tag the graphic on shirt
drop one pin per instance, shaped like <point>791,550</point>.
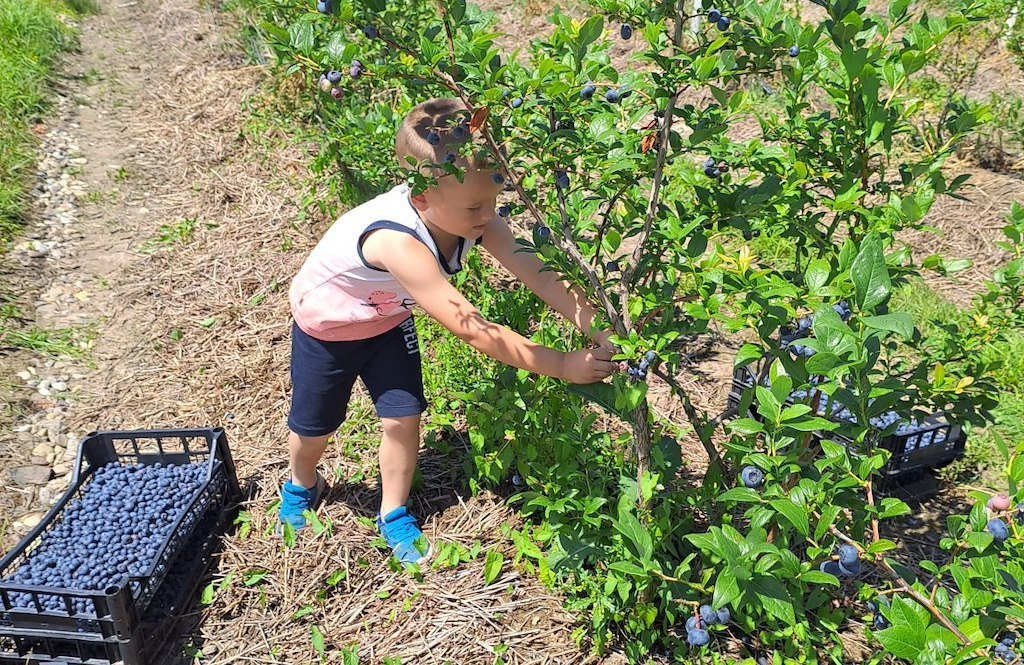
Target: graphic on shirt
<point>386,302</point>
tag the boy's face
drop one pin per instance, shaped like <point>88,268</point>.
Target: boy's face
<point>462,209</point>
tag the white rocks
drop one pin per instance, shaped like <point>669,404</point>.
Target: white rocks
<point>25,375</point>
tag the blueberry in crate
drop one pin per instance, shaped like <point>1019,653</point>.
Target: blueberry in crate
<point>79,582</point>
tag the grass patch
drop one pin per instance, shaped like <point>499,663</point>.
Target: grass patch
<point>981,460</point>
<point>32,36</point>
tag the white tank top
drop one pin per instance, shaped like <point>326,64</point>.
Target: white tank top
<point>337,296</point>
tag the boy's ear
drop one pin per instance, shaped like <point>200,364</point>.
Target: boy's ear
<point>420,202</point>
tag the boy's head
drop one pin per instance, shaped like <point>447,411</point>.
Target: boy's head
<point>428,134</point>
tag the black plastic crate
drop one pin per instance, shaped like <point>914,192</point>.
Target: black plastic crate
<point>932,444</point>
<point>129,622</point>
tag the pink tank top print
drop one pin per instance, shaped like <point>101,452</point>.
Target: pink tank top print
<point>336,296</point>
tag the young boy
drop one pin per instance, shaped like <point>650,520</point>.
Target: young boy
<point>352,304</point>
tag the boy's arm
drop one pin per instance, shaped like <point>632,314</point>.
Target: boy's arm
<point>415,268</point>
<point>560,295</point>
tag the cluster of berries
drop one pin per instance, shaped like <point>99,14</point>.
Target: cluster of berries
<point>329,80</point>
<point>696,626</point>
<point>1005,649</point>
<point>878,622</point>
<point>639,373</point>
<point>996,526</point>
<point>848,564</point>
<point>721,22</point>
<point>713,170</point>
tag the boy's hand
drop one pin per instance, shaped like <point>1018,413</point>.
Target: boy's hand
<point>588,365</point>
<point>603,337</point>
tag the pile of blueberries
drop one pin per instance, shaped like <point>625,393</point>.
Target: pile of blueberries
<point>113,532</point>
<point>696,626</point>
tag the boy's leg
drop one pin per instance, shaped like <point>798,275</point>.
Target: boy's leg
<point>399,448</point>
<point>304,452</point>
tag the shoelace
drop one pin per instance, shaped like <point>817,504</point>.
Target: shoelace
<point>401,530</point>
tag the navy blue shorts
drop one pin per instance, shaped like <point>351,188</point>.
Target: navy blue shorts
<point>323,374</point>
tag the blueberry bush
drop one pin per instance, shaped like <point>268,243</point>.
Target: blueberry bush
<point>650,185</point>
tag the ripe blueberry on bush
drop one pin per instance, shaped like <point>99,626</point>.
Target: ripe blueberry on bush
<point>433,138</point>
<point>752,477</point>
<point>998,529</point>
<point>851,570</point>
<point>517,102</point>
<point>370,31</point>
<point>999,502</point>
<point>459,132</point>
<point>626,31</point>
<point>724,615</point>
<point>497,178</point>
<point>544,232</point>
<point>714,15</point>
<point>848,555</point>
<point>561,179</point>
<point>587,92</point>
<point>324,6</point>
<point>698,637</point>
<point>708,615</point>
<point>794,51</point>
<point>450,158</point>
<point>334,76</point>
<point>504,211</point>
<point>723,23</point>
<point>612,266</point>
<point>693,623</point>
<point>830,567</point>
<point>612,96</point>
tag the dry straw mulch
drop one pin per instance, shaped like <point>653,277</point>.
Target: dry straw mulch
<point>194,162</point>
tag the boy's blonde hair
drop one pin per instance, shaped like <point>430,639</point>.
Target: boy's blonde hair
<point>441,116</point>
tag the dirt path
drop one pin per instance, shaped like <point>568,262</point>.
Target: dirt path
<point>173,239</point>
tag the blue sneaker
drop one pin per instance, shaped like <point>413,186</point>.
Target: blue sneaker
<point>295,499</point>
<point>401,533</point>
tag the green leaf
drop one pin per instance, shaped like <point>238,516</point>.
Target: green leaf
<point>316,638</point>
<point>301,37</point>
<point>591,30</point>
<point>304,611</point>
<point>629,526</point>
<point>492,566</point>
<point>773,597</point>
<point>906,637</point>
<point>816,275</point>
<point>818,577</point>
<point>901,641</point>
<point>739,494</point>
<point>254,578</point>
<point>207,596</point>
<point>726,589</point>
<point>794,514</point>
<point>870,275</point>
<point>602,394</point>
<point>629,568</point>
<point>902,324</point>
